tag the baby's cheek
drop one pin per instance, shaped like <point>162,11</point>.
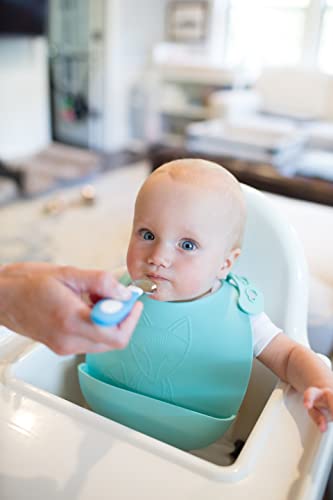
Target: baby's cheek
<point>132,262</point>
<point>191,286</point>
<point>130,267</point>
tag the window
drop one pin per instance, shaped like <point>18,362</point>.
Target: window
<point>265,32</point>
<point>257,33</point>
<point>325,59</point>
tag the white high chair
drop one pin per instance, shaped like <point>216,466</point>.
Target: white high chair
<point>53,447</point>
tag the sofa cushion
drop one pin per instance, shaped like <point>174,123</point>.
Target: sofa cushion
<point>296,92</point>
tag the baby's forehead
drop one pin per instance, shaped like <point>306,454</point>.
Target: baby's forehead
<point>201,180</point>
<point>189,203</point>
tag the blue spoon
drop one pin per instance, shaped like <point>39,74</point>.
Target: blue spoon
<point>111,312</point>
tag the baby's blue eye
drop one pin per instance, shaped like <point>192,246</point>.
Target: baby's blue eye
<point>188,245</point>
<point>147,235</point>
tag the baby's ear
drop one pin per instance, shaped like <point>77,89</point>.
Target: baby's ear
<point>228,263</point>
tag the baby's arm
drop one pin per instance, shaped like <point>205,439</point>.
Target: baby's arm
<point>306,372</point>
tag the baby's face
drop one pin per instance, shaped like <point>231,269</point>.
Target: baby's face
<point>179,239</point>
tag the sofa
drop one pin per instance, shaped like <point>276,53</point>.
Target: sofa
<point>299,95</point>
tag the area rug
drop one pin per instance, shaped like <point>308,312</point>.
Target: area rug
<point>58,166</point>
<point>55,166</point>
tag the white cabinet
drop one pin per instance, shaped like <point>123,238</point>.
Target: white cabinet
<point>24,97</point>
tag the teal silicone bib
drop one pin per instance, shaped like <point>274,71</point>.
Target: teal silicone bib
<point>185,372</point>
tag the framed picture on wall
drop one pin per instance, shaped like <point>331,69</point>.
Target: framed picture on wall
<point>187,21</point>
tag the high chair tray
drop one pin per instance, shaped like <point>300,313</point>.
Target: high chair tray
<point>54,448</point>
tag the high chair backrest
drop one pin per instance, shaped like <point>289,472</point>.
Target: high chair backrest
<point>273,258</point>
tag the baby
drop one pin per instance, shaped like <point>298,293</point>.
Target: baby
<point>187,234</point>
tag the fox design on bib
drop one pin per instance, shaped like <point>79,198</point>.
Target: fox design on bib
<point>155,359</point>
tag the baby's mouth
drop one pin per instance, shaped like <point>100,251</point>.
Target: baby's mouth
<point>156,277</point>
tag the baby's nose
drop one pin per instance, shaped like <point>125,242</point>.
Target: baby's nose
<point>160,256</point>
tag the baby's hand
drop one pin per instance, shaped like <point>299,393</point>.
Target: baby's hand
<point>319,403</point>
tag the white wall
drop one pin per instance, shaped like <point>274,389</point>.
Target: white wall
<point>24,97</point>
<point>131,28</point>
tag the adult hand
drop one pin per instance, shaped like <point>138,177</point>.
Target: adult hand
<point>46,303</point>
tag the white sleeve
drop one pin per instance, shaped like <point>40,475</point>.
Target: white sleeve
<point>263,331</point>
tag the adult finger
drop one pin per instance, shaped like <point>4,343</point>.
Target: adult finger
<point>95,282</point>
<point>127,326</point>
<point>116,337</point>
